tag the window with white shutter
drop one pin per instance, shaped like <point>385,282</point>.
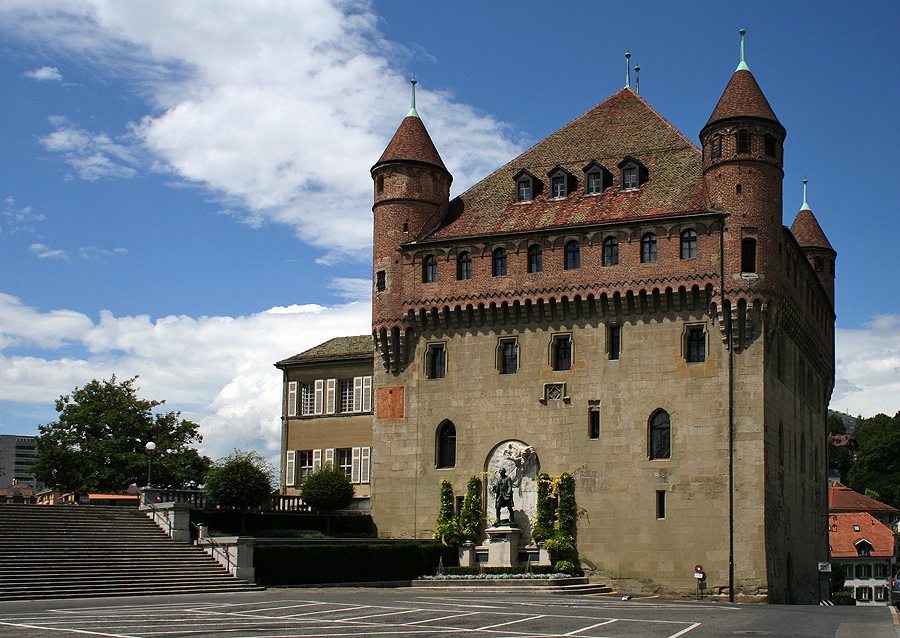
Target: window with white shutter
<point>365,459</point>
<point>354,468</point>
<point>292,399</point>
<point>317,460</point>
<point>289,470</point>
<point>357,394</point>
<point>320,395</point>
<point>330,395</point>
<point>367,394</point>
<point>329,457</point>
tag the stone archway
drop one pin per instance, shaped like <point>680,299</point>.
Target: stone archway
<point>522,465</point>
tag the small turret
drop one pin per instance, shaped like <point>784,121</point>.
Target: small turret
<point>815,245</point>
<point>742,174</point>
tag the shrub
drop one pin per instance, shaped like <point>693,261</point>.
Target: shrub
<point>543,525</point>
<point>470,516</point>
<point>447,528</point>
<point>327,489</point>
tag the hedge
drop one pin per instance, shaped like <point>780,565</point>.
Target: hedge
<point>309,564</point>
<point>229,522</point>
<point>517,569</point>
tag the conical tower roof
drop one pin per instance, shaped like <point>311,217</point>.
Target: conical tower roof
<point>807,231</point>
<point>411,143</point>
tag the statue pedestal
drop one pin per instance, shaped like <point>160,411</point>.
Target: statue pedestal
<point>503,545</point>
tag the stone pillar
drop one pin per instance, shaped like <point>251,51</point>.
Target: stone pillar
<point>467,556</point>
<point>503,545</point>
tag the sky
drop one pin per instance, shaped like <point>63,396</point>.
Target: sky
<point>185,191</point>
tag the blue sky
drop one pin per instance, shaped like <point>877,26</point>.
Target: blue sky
<point>184,192</point>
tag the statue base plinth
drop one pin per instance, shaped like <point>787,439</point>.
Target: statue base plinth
<point>503,545</point>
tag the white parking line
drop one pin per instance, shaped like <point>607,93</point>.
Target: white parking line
<point>511,622</point>
<point>599,624</point>
<point>684,631</point>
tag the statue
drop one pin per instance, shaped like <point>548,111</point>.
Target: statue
<point>503,494</point>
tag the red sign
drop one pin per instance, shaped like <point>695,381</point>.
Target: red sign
<point>699,569</point>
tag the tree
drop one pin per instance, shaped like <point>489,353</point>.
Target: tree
<point>877,465</point>
<point>470,515</point>
<point>447,527</point>
<point>98,442</point>
<point>241,480</point>
<point>327,489</point>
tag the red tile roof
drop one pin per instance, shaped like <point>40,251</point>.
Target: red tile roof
<point>842,499</point>
<point>844,538</point>
<point>358,347</point>
<point>808,232</point>
<point>742,98</point>
<point>411,142</point>
<point>623,125</point>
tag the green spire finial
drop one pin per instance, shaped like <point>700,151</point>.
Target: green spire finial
<point>412,108</point>
<point>627,69</point>
<point>805,205</point>
<point>743,65</point>
<point>637,77</point>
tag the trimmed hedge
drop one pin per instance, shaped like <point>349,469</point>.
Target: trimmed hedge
<point>518,569</point>
<point>229,522</point>
<point>309,564</point>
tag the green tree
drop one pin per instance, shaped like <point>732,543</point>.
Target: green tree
<point>98,442</point>
<point>470,516</point>
<point>327,489</point>
<point>447,528</point>
<point>877,465</point>
<point>241,480</point>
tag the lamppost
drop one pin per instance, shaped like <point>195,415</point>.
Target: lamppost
<point>150,447</point>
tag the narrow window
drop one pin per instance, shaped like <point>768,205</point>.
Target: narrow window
<point>562,352</point>
<point>594,423</point>
<point>509,356</point>
<point>573,255</point>
<point>648,248</point>
<point>380,281</point>
<point>307,398</point>
<point>558,186</point>
<point>429,269</point>
<point>304,464</point>
<point>819,264</point>
<point>660,504</point>
<point>610,251</point>
<point>535,259</point>
<point>446,445</point>
<point>743,141</point>
<point>594,183</point>
<point>689,244</point>
<point>290,470</point>
<point>523,190</point>
<point>781,444</point>
<point>629,178</point>
<point>380,183</point>
<point>345,461</point>
<point>436,361</point>
<point>748,255</point>
<point>696,345</point>
<point>498,267</point>
<point>346,395</point>
<point>464,265</point>
<point>613,337</point>
<point>660,428</point>
<point>738,189</point>
<point>770,144</point>
<point>716,146</point>
<point>292,399</point>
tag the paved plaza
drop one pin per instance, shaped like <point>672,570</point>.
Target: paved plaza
<point>408,613</point>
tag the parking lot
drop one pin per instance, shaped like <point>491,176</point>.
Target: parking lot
<point>410,613</point>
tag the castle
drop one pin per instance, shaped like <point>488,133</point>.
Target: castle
<point>624,306</point>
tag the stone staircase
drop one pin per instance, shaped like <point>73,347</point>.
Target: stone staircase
<point>62,551</point>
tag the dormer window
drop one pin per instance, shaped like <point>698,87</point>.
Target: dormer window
<point>632,174</point>
<point>561,183</point>
<point>596,179</point>
<point>527,186</point>
<point>743,141</point>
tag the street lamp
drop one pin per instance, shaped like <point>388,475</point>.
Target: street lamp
<point>150,447</point>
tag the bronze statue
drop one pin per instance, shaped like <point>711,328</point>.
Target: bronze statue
<point>503,495</point>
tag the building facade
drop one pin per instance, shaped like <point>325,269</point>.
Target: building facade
<point>16,457</point>
<point>866,548</point>
<point>628,307</point>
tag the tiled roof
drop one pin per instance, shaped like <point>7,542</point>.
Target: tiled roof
<point>808,232</point>
<point>842,499</point>
<point>411,142</point>
<point>742,98</point>
<point>337,348</point>
<point>623,125</point>
<point>843,537</point>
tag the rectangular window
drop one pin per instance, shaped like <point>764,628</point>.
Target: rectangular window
<point>594,183</point>
<point>523,191</point>
<point>880,571</point>
<point>304,460</point>
<point>629,178</point>
<point>436,361</point>
<point>613,337</point>
<point>696,345</point>
<point>357,394</point>
<point>316,460</point>
<point>292,399</point>
<point>320,396</point>
<point>346,395</point>
<point>367,394</point>
<point>881,594</point>
<point>558,186</point>
<point>660,504</point>
<point>509,356</point>
<point>380,281</point>
<point>864,571</point>
<point>716,150</point>
<point>345,461</point>
<point>863,593</point>
<point>289,468</point>
<point>594,423</point>
<point>307,399</point>
<point>562,352</point>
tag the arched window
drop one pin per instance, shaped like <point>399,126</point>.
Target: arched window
<point>429,269</point>
<point>446,445</point>
<point>660,435</point>
<point>610,251</point>
<point>573,255</point>
<point>464,265</point>
<point>535,258</point>
<point>689,244</point>
<point>748,255</point>
<point>498,267</point>
<point>648,248</point>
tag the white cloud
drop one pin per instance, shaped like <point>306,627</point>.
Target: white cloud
<point>45,252</point>
<point>217,370</point>
<point>279,109</point>
<point>44,73</point>
<point>19,219</point>
<point>868,368</point>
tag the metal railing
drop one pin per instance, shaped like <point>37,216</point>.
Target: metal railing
<point>216,546</point>
<point>196,498</point>
<point>156,515</point>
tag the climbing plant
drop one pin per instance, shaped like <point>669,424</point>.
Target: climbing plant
<point>561,542</point>
<point>447,528</point>
<point>543,524</point>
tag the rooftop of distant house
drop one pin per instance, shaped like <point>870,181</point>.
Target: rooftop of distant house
<point>855,534</point>
<point>358,347</point>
